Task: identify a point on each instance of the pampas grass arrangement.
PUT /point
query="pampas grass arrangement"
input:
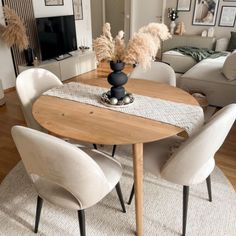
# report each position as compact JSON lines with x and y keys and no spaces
{"x":14,"y":32}
{"x":141,"y":48}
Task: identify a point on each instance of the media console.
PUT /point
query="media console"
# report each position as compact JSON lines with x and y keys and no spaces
{"x":77,"y":64}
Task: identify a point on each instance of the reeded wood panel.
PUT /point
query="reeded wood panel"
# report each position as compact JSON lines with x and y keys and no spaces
{"x":24,"y":9}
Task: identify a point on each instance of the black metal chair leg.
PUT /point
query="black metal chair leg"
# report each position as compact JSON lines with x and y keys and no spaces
{"x":208,"y":181}
{"x":113,"y":151}
{"x":119,"y":193}
{"x":131,"y":196}
{"x":185,"y":207}
{"x":95,"y":146}
{"x":81,"y":216}
{"x":38,"y":212}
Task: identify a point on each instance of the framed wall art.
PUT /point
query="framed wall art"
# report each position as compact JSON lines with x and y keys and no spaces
{"x":54,"y":2}
{"x":78,"y":9}
{"x":184,"y":5}
{"x":227,"y":16}
{"x":205,"y":12}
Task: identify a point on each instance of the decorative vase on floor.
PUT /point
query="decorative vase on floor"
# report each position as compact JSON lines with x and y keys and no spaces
{"x":117,"y":78}
{"x":172,"y":27}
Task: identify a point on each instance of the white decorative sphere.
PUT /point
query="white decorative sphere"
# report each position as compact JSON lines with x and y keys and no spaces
{"x":113,"y":101}
{"x":126,"y":99}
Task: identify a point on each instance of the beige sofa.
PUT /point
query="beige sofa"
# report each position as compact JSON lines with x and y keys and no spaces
{"x":206,"y":76}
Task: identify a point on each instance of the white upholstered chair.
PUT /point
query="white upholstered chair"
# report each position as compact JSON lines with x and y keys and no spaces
{"x":64,"y":174}
{"x":30,"y":84}
{"x":193,"y":161}
{"x":159,"y":72}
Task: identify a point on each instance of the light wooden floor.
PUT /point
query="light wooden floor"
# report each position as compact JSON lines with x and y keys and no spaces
{"x":11,"y":114}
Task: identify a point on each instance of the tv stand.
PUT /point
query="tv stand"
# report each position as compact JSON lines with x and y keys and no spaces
{"x":77,"y":64}
{"x":63,"y":57}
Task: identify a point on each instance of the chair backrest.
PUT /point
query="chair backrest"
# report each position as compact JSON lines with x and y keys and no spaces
{"x":193,"y":162}
{"x":53,"y":160}
{"x":30,"y":84}
{"x":158,"y":71}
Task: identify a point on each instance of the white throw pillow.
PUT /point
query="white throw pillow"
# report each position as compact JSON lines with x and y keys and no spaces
{"x":222,"y":44}
{"x":229,"y":67}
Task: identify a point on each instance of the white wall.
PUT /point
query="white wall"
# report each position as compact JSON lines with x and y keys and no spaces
{"x":40,"y":10}
{"x":83,"y":27}
{"x":187,"y":17}
{"x":7,"y":74}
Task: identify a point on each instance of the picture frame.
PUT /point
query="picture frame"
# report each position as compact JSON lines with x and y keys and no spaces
{"x":227,"y":16}
{"x":205,"y":12}
{"x":184,"y":5}
{"x":78,"y":9}
{"x":54,"y":2}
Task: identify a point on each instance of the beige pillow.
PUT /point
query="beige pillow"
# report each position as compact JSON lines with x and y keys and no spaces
{"x":229,"y":67}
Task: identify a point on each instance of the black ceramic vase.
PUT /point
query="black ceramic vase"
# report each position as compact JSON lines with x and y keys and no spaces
{"x":29,"y":58}
{"x":117,"y":78}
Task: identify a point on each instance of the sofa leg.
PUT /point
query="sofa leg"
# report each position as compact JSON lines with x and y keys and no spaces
{"x":185,"y":208}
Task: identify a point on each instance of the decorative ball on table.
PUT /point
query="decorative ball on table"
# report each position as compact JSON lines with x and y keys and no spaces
{"x":141,"y":48}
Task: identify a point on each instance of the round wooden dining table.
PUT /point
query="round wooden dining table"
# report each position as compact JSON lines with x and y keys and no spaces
{"x":83,"y":122}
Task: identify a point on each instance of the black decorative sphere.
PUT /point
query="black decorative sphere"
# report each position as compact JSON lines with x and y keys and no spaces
{"x":117,"y":78}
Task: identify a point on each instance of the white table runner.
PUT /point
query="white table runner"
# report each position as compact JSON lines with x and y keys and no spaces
{"x":188,"y":117}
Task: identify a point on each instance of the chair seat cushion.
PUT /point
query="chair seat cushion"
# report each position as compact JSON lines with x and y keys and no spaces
{"x":110,"y":167}
{"x":56,"y":194}
{"x":156,"y":154}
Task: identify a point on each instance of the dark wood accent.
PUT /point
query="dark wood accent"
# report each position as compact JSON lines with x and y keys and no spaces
{"x":120,"y":195}
{"x":38,"y":213}
{"x":81,"y":217}
{"x":185,"y":208}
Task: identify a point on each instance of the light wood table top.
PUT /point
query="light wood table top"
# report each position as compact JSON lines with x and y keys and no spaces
{"x":93,"y":124}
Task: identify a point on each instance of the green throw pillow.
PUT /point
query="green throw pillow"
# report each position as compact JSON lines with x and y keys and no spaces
{"x":232,"y":42}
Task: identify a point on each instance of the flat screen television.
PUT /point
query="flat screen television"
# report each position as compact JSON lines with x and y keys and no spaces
{"x":57,"y":36}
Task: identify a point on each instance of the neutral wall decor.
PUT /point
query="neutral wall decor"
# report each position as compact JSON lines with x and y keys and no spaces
{"x":54,"y":2}
{"x":184,"y":5}
{"x":205,"y":12}
{"x":78,"y":9}
{"x":227,"y":16}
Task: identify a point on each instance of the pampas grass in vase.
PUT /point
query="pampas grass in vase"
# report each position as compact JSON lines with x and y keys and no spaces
{"x":141,"y":49}
{"x":14,"y":33}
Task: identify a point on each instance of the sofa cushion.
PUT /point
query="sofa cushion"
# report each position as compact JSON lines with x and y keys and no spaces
{"x":229,"y":67}
{"x":222,"y":44}
{"x":207,"y":77}
{"x":232,"y":42}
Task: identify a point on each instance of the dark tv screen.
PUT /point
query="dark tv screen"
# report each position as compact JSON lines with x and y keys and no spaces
{"x":57,"y":35}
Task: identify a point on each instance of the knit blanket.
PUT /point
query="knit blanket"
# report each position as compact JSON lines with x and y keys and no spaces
{"x":199,"y":54}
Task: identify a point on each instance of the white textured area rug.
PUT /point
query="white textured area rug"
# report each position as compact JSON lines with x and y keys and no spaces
{"x":162,"y":208}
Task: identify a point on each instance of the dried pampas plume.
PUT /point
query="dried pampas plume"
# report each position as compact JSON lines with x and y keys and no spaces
{"x":103,"y":45}
{"x":119,"y":46}
{"x":14,"y":32}
{"x":142,"y":48}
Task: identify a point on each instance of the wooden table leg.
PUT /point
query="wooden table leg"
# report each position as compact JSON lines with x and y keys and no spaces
{"x":138,"y":186}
